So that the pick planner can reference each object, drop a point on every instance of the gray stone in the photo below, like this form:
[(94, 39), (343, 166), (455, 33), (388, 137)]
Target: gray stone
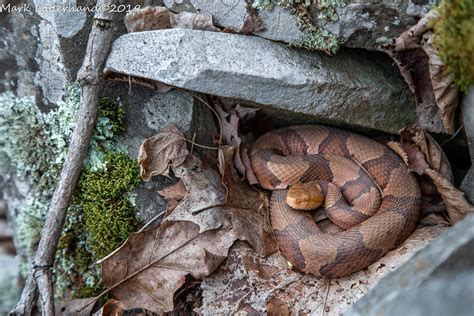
[(14, 193), (468, 116), (9, 283), (371, 24), (363, 24), (280, 26), (38, 57), (66, 22), (438, 280), (10, 266), (439, 296), (39, 48), (18, 45), (352, 87), (52, 77)]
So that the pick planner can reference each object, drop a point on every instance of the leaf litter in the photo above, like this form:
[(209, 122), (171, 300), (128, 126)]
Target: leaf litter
[(194, 239), (419, 64), (204, 237), (422, 154)]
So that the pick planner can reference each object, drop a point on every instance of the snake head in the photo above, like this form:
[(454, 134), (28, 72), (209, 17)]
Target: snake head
[(305, 196)]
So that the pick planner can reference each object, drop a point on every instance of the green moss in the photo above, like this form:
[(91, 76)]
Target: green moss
[(454, 37), (104, 197), (99, 220)]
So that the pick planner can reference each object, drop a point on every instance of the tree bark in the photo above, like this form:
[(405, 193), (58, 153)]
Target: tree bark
[(40, 277)]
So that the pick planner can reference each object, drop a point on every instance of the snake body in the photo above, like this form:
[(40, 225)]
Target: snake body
[(369, 192)]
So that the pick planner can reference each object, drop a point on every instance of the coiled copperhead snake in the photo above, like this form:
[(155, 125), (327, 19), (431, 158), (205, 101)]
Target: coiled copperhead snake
[(369, 192)]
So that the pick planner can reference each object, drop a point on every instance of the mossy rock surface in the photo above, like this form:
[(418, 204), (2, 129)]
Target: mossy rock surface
[(454, 37)]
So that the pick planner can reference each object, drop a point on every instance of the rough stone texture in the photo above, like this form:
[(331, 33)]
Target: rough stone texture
[(42, 49), (351, 87), (438, 278), (18, 45), (363, 24), (451, 295), (468, 116), (9, 288)]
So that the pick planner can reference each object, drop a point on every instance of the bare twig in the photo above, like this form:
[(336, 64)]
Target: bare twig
[(326, 298), (40, 279)]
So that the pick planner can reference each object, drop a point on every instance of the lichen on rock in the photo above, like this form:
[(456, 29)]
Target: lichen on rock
[(33, 145), (315, 38)]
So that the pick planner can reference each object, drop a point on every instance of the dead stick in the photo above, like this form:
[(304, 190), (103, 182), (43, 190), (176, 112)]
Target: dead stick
[(39, 278)]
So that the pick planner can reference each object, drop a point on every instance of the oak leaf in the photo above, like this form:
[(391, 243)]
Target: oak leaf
[(161, 152), (422, 154), (175, 191)]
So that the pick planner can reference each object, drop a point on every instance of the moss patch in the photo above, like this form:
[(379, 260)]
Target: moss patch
[(105, 198), (454, 37)]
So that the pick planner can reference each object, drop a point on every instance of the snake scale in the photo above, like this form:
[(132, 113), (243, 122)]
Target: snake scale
[(369, 192)]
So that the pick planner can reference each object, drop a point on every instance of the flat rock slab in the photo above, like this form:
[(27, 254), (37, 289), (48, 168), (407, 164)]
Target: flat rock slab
[(350, 87)]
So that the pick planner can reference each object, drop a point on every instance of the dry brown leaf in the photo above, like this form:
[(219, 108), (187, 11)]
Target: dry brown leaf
[(173, 194), (158, 18), (148, 269), (455, 201), (433, 153), (398, 149), (80, 307), (147, 19), (162, 151), (252, 23), (230, 117), (113, 308), (423, 155), (175, 191), (195, 21), (422, 69), (445, 91), (193, 240), (276, 306), (249, 174), (416, 160)]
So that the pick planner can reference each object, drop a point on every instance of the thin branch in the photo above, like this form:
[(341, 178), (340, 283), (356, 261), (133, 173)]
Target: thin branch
[(40, 278), (326, 298)]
